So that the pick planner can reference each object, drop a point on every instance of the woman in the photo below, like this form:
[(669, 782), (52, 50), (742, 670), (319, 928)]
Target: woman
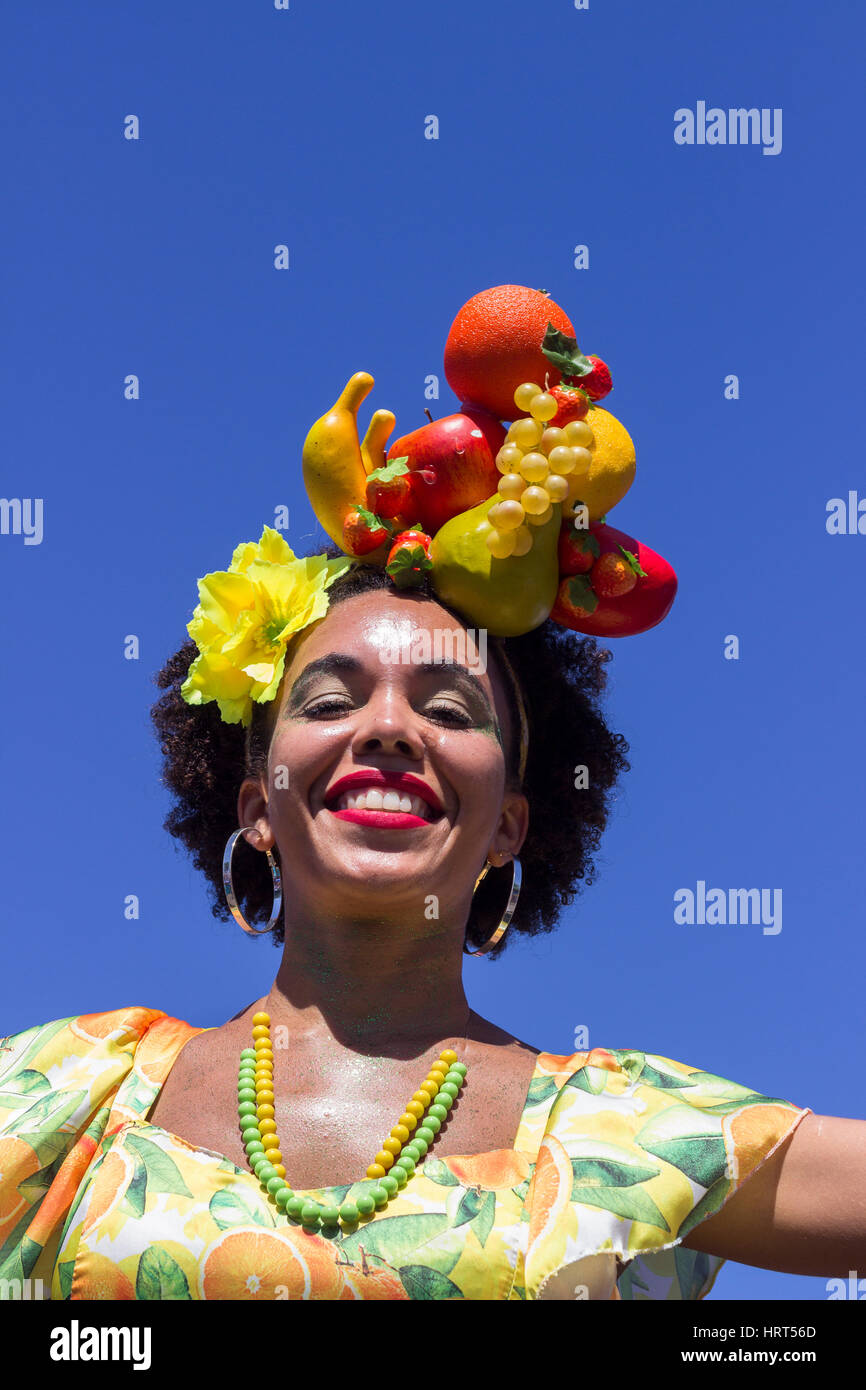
[(126, 1152)]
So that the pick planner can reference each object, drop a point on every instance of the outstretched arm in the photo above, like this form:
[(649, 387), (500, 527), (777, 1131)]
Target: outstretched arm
[(804, 1211)]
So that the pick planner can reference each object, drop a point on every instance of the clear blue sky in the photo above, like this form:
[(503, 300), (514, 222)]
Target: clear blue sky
[(155, 257)]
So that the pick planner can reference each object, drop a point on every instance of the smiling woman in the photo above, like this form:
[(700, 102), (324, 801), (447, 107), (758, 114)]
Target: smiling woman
[(561, 678), (142, 1157)]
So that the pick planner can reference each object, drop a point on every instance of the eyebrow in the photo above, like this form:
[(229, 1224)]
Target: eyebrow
[(338, 663)]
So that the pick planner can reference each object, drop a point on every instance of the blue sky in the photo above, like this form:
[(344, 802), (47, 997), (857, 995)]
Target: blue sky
[(155, 257)]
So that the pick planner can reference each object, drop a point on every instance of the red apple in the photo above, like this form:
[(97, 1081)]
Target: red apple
[(579, 608), (452, 464)]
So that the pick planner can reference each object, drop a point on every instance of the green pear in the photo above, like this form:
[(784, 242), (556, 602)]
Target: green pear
[(507, 597)]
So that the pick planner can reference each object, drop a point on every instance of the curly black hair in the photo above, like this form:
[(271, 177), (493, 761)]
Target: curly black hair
[(561, 678)]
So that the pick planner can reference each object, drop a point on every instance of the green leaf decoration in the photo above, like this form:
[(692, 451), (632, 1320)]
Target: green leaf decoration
[(371, 520), (541, 1089), (10, 1250), (483, 1223), (409, 566), (163, 1174), (631, 1202), (654, 1075), (395, 1236), (607, 1165), (35, 1187), (689, 1140), (423, 1283), (728, 1106), (29, 1045), (21, 1089), (634, 563), (51, 1145), (630, 1280), (564, 354), (693, 1270), (522, 1188), (135, 1197), (519, 1291), (632, 1063), (582, 594), (51, 1112), (395, 469), (585, 541), (233, 1206), (160, 1276), (593, 1080), (711, 1202), (701, 1158), (439, 1172), (471, 1204), (65, 1270)]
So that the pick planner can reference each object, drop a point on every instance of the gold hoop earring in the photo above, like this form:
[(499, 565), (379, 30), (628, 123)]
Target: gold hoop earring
[(516, 880), (230, 892)]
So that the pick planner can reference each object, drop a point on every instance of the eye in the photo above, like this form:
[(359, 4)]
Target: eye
[(333, 704), (450, 712)]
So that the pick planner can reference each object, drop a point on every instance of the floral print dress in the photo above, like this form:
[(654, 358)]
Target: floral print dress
[(618, 1156)]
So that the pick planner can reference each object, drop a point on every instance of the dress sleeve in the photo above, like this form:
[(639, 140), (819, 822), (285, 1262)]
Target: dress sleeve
[(638, 1150), (57, 1083)]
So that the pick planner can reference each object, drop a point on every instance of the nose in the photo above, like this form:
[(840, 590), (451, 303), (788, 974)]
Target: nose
[(389, 725)]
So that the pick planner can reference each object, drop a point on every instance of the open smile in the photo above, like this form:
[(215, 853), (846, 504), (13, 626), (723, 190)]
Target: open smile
[(386, 800)]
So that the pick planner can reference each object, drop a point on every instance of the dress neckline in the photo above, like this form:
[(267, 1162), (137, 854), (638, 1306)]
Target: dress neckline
[(524, 1141)]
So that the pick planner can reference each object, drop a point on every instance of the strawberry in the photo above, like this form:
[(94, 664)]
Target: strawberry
[(598, 382), (389, 488), (409, 558), (578, 606), (614, 575), (573, 404), (363, 531), (578, 550), (577, 371)]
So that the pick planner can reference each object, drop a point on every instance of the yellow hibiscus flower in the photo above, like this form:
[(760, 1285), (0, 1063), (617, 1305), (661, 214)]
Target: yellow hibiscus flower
[(246, 615)]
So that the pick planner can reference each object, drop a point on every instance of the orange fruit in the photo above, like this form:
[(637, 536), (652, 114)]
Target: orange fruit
[(17, 1163), (266, 1265), (501, 1168), (549, 1193), (160, 1046), (61, 1194), (494, 344), (372, 1284), (754, 1130), (96, 1276), (110, 1182), (123, 1022)]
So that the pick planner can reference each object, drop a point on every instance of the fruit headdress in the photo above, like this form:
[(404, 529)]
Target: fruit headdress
[(507, 524)]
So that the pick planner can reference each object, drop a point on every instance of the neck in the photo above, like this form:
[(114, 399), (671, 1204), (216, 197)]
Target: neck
[(369, 986)]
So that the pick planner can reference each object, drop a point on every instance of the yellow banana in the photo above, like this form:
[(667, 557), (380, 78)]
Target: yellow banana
[(334, 472), (373, 443)]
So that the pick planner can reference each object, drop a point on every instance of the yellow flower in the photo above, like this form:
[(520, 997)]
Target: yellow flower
[(246, 615)]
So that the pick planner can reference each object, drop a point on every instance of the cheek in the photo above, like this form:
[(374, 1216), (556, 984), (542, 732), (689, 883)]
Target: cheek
[(298, 754), (476, 770)]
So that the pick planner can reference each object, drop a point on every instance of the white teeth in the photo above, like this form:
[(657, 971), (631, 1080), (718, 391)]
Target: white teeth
[(375, 800)]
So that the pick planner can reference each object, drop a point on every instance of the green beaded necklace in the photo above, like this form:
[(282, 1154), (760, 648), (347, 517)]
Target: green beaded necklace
[(394, 1164)]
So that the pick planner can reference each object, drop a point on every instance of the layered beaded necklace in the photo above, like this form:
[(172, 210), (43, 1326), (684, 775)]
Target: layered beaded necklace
[(390, 1170)]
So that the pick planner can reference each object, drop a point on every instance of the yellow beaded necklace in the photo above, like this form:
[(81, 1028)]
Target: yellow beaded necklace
[(390, 1170)]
